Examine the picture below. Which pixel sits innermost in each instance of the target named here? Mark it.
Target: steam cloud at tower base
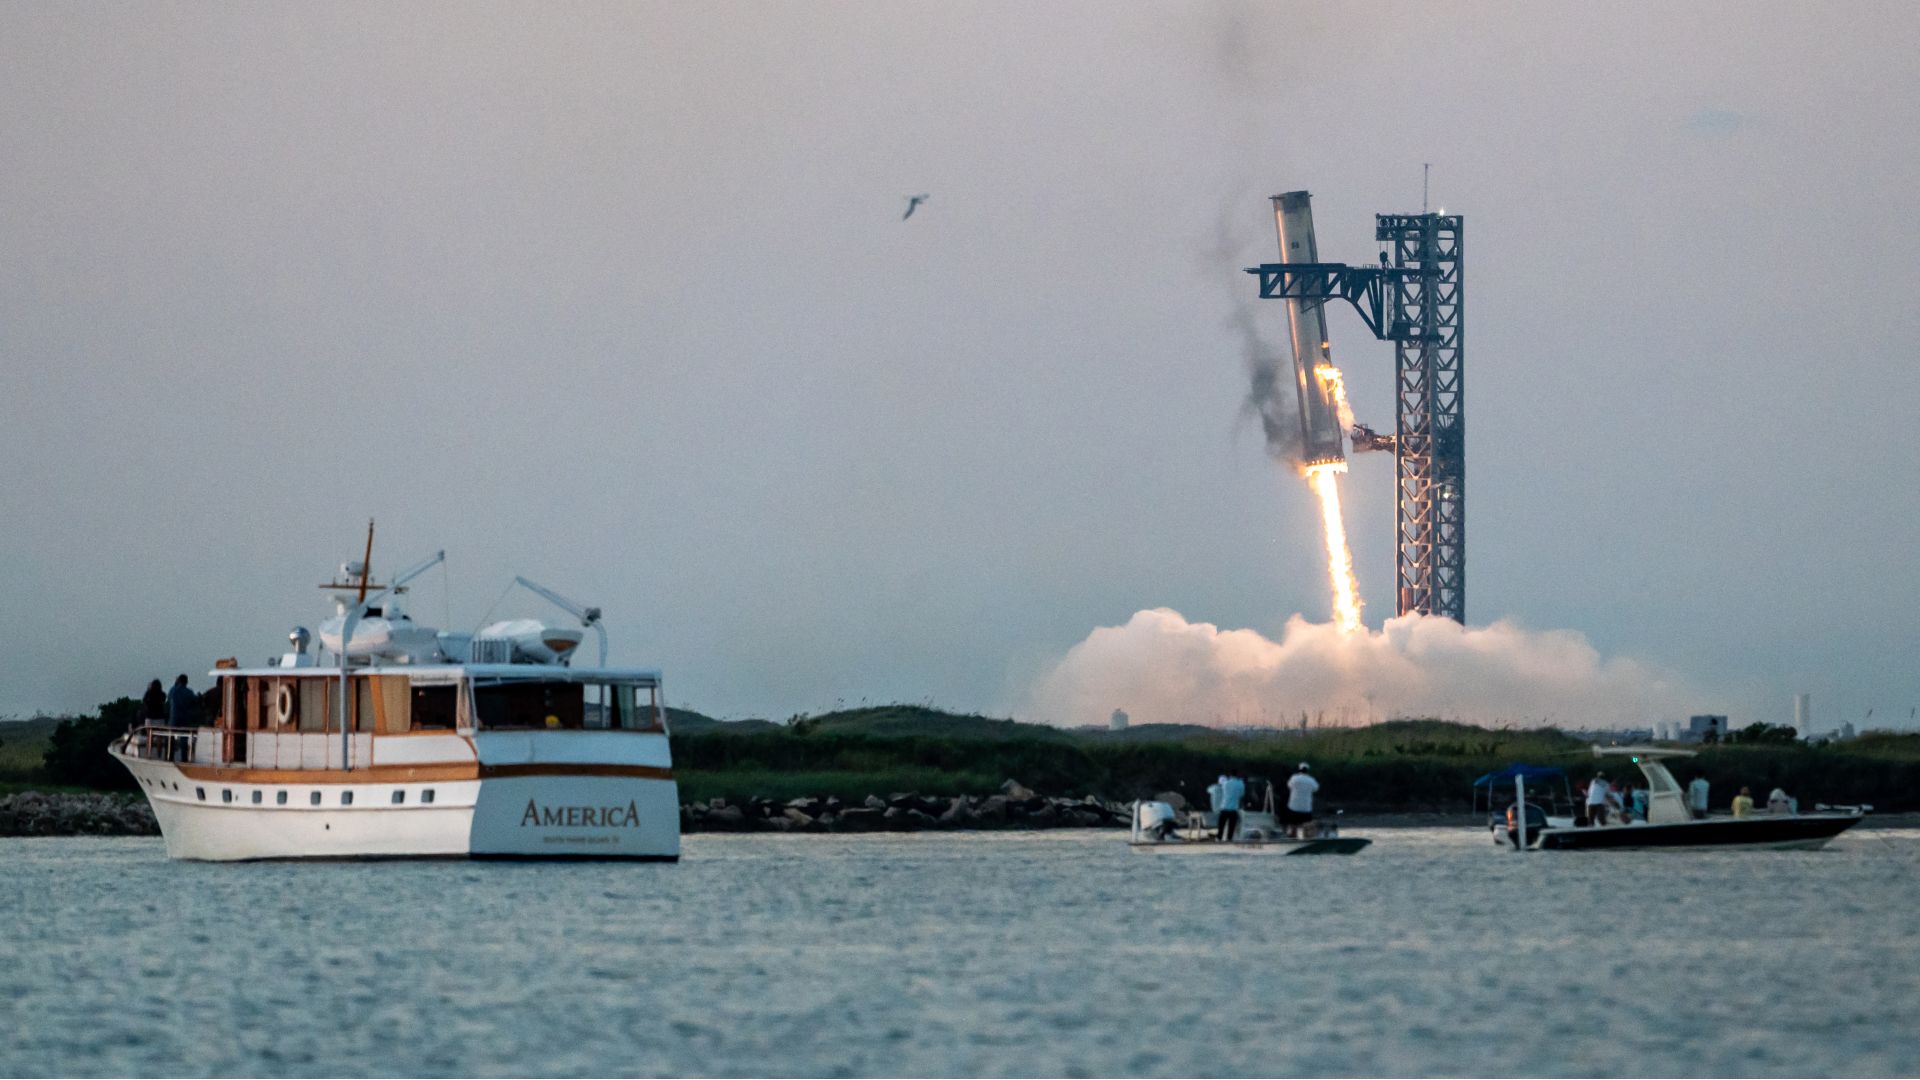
(1163, 669)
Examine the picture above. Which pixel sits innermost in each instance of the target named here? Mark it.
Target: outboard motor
(1155, 821)
(1536, 821)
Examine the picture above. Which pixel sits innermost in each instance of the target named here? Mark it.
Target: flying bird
(913, 203)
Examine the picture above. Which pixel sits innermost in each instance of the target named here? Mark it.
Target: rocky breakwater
(1015, 807)
(35, 813)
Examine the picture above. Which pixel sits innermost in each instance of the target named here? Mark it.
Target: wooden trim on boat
(374, 774)
(413, 774)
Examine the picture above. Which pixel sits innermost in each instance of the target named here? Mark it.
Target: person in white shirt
(1300, 789)
(1697, 795)
(1597, 793)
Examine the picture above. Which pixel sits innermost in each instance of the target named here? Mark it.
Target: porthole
(427, 795)
(226, 794)
(399, 797)
(316, 799)
(346, 798)
(256, 798)
(280, 797)
(201, 792)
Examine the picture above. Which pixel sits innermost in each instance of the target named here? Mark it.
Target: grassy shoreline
(1425, 766)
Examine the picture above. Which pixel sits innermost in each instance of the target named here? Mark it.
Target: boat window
(600, 709)
(226, 794)
(427, 795)
(364, 711)
(399, 797)
(280, 798)
(312, 706)
(640, 706)
(346, 798)
(256, 798)
(315, 801)
(435, 708)
(201, 792)
(531, 705)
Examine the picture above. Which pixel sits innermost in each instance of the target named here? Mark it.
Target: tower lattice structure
(1423, 257)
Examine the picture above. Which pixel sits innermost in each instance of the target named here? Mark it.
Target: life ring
(283, 704)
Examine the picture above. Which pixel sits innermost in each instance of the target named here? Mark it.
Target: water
(1024, 954)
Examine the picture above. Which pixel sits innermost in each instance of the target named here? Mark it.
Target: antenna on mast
(366, 568)
(1426, 174)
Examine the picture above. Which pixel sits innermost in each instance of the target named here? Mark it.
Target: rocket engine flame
(1346, 594)
(1331, 377)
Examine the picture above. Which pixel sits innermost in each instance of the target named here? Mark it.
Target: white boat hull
(519, 808)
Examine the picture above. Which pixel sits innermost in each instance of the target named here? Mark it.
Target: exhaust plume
(1163, 669)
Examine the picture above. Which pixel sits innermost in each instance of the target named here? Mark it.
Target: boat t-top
(415, 742)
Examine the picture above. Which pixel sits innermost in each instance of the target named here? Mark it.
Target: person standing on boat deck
(1300, 789)
(1778, 803)
(1597, 793)
(1232, 790)
(1697, 795)
(154, 705)
(181, 703)
(1743, 803)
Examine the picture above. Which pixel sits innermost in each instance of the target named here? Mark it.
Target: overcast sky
(618, 297)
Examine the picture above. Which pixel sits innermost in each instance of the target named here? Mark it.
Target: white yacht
(412, 742)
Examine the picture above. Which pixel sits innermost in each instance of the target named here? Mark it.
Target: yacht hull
(450, 810)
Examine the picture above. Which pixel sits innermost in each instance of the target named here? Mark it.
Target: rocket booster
(1320, 424)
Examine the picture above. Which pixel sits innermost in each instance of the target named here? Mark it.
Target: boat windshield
(567, 706)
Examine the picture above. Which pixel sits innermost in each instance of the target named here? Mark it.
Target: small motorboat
(1159, 829)
(1669, 824)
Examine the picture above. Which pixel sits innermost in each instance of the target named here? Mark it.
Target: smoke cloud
(1161, 668)
(1271, 395)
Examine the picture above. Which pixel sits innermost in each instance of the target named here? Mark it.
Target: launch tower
(1413, 298)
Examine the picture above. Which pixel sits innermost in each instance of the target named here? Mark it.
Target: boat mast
(346, 637)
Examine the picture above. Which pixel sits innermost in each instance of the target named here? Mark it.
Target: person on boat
(1779, 803)
(1743, 804)
(1300, 788)
(154, 705)
(1232, 790)
(1598, 794)
(1697, 795)
(181, 703)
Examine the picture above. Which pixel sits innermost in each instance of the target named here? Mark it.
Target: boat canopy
(1522, 770)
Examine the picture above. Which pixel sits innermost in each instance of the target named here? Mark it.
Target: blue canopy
(1530, 772)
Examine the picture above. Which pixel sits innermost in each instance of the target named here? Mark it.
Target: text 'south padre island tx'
(959, 540)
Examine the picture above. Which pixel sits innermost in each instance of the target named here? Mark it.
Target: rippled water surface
(1036, 953)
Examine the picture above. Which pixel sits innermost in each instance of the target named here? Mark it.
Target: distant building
(1698, 726)
(1118, 722)
(1846, 731)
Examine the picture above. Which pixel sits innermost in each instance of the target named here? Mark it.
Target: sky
(619, 297)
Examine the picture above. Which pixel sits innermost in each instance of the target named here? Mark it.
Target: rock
(1173, 799)
(727, 817)
(920, 819)
(35, 813)
(994, 810)
(1012, 789)
(1086, 819)
(1045, 816)
(875, 802)
(798, 817)
(860, 819)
